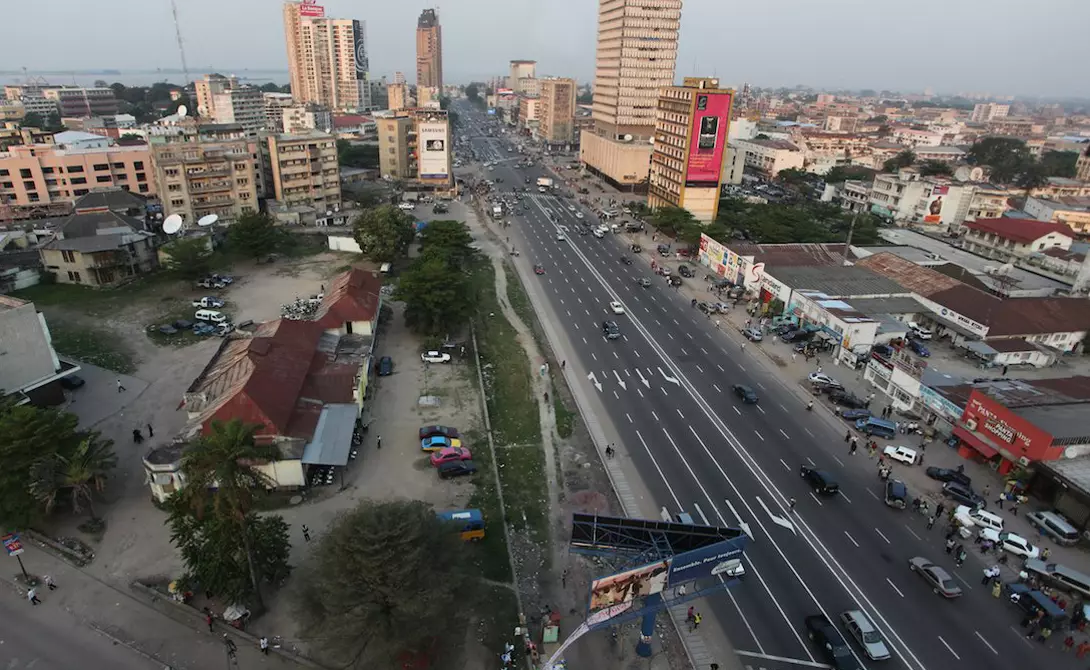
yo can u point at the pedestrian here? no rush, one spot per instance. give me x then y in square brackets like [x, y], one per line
[986, 490]
[987, 576]
[546, 396]
[949, 544]
[609, 451]
[1014, 508]
[852, 446]
[378, 441]
[120, 386]
[151, 432]
[232, 648]
[939, 509]
[848, 436]
[1069, 643]
[689, 615]
[32, 596]
[696, 622]
[1045, 553]
[208, 618]
[961, 556]
[743, 346]
[681, 591]
[1082, 649]
[999, 501]
[137, 436]
[931, 522]
[1046, 633]
[564, 578]
[563, 364]
[306, 533]
[717, 328]
[50, 583]
[264, 644]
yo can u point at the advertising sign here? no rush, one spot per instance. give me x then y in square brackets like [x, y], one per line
[939, 404]
[434, 157]
[708, 139]
[311, 10]
[934, 204]
[13, 544]
[359, 41]
[628, 586]
[714, 560]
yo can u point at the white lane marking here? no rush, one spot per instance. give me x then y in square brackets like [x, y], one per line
[745, 620]
[736, 410]
[720, 367]
[882, 536]
[841, 492]
[741, 368]
[894, 587]
[719, 390]
[816, 499]
[989, 646]
[628, 417]
[656, 464]
[785, 435]
[762, 386]
[840, 462]
[949, 648]
[663, 389]
[784, 659]
[656, 416]
[593, 356]
[758, 435]
[776, 519]
[616, 396]
[811, 462]
[808, 432]
[909, 529]
[620, 382]
[761, 410]
[785, 465]
[704, 350]
[640, 392]
[1021, 637]
[872, 493]
[680, 414]
[672, 380]
[963, 581]
[701, 369]
[741, 524]
[782, 407]
[852, 539]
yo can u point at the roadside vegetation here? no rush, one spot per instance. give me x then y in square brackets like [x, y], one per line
[89, 344]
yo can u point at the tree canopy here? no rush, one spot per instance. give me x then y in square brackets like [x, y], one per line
[435, 287]
[1006, 157]
[189, 257]
[256, 234]
[383, 233]
[357, 155]
[932, 167]
[776, 223]
[1059, 163]
[842, 173]
[388, 577]
[902, 160]
[473, 92]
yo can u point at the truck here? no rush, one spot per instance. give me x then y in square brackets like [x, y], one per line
[497, 211]
[545, 181]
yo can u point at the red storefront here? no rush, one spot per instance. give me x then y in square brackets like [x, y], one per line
[988, 429]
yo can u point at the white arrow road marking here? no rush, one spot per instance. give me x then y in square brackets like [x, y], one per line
[665, 514]
[620, 381]
[642, 378]
[672, 380]
[594, 380]
[741, 524]
[778, 520]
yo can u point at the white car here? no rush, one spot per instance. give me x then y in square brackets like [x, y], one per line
[435, 357]
[902, 454]
[822, 378]
[1015, 544]
[406, 206]
[560, 236]
[578, 215]
[571, 208]
[617, 307]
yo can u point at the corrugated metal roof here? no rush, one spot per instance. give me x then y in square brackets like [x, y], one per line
[836, 281]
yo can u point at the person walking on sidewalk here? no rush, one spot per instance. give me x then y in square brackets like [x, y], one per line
[689, 615]
[695, 623]
[208, 618]
[120, 386]
[264, 644]
[50, 583]
[306, 533]
[32, 596]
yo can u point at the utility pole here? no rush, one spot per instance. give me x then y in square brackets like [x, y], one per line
[848, 241]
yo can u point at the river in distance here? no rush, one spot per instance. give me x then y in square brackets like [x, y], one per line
[141, 78]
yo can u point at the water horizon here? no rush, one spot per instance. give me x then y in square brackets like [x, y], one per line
[140, 77]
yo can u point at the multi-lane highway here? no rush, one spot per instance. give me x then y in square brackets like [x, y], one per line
[664, 387]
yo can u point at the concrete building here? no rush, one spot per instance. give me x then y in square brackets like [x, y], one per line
[302, 119]
[1073, 211]
[988, 111]
[29, 366]
[32, 97]
[244, 105]
[429, 50]
[528, 113]
[1082, 165]
[397, 97]
[430, 149]
[770, 157]
[426, 96]
[690, 141]
[302, 170]
[209, 86]
[521, 69]
[33, 177]
[1008, 240]
[275, 104]
[908, 197]
[379, 94]
[734, 166]
[327, 58]
[204, 170]
[840, 124]
[636, 56]
[393, 147]
[80, 102]
[556, 110]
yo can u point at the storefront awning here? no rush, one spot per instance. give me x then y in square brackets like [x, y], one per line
[976, 441]
[332, 439]
[981, 349]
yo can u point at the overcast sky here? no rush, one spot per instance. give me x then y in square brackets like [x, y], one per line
[996, 46]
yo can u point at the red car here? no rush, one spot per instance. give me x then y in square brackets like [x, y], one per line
[539, 270]
[447, 454]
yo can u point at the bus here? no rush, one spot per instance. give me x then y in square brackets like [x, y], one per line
[469, 520]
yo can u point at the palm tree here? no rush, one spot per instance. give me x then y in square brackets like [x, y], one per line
[79, 475]
[222, 479]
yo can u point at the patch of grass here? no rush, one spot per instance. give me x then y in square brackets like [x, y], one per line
[565, 418]
[497, 614]
[516, 294]
[300, 246]
[91, 345]
[95, 301]
[522, 476]
[490, 554]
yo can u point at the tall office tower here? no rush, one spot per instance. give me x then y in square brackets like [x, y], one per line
[327, 58]
[429, 50]
[556, 110]
[636, 56]
[690, 143]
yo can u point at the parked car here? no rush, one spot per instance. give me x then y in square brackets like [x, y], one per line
[896, 493]
[948, 475]
[963, 494]
[919, 348]
[435, 357]
[456, 469]
[209, 301]
[940, 580]
[385, 366]
[167, 329]
[822, 379]
[753, 334]
[795, 336]
[819, 480]
[437, 442]
[449, 454]
[860, 627]
[444, 431]
[901, 454]
[825, 635]
[663, 249]
[745, 393]
[1010, 542]
[846, 398]
[685, 271]
[72, 382]
[854, 414]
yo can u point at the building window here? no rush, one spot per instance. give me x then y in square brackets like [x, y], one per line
[79, 180]
[101, 166]
[140, 176]
[79, 191]
[33, 196]
[174, 188]
[138, 165]
[171, 172]
[25, 173]
[28, 185]
[75, 169]
[45, 170]
[103, 178]
[74, 277]
[143, 188]
[5, 173]
[68, 256]
[7, 184]
[177, 203]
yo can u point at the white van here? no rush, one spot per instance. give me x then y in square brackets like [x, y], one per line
[978, 517]
[210, 315]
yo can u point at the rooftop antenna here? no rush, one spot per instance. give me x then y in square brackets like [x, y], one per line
[181, 53]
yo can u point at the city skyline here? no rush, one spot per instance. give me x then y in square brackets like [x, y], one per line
[812, 48]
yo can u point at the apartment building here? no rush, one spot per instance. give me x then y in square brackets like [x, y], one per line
[275, 104]
[1071, 210]
[327, 58]
[528, 112]
[690, 144]
[29, 364]
[393, 147]
[32, 97]
[1082, 166]
[989, 111]
[83, 101]
[244, 105]
[379, 95]
[302, 119]
[302, 169]
[1009, 240]
[429, 50]
[210, 169]
[556, 110]
[635, 58]
[397, 97]
[100, 248]
[34, 177]
[908, 197]
[209, 86]
[429, 149]
[770, 157]
[521, 69]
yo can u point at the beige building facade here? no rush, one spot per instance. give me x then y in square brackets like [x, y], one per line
[303, 170]
[327, 58]
[521, 69]
[429, 50]
[207, 88]
[393, 147]
[244, 105]
[556, 110]
[397, 96]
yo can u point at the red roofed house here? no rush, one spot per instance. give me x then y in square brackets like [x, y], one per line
[351, 305]
[1008, 240]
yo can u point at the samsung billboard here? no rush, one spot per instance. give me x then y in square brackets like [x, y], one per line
[708, 138]
[434, 154]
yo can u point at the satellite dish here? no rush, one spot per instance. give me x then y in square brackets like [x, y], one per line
[963, 173]
[172, 224]
[208, 220]
[627, 138]
[182, 110]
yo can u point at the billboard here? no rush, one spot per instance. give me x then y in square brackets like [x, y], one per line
[359, 42]
[309, 9]
[719, 559]
[934, 204]
[708, 138]
[626, 587]
[434, 154]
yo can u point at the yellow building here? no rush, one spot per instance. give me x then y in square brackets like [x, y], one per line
[303, 170]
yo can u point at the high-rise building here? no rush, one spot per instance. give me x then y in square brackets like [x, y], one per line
[379, 97]
[302, 119]
[399, 77]
[397, 97]
[429, 50]
[244, 105]
[556, 110]
[636, 56]
[327, 58]
[690, 142]
[207, 88]
[984, 112]
[393, 147]
[521, 69]
[275, 106]
[302, 170]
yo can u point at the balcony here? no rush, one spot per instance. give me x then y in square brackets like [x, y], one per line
[208, 172]
[107, 259]
[208, 187]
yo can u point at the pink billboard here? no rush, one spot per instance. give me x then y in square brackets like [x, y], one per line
[708, 138]
[310, 9]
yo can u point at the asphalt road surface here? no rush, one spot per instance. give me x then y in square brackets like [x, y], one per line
[665, 387]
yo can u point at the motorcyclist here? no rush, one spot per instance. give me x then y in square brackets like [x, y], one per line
[810, 406]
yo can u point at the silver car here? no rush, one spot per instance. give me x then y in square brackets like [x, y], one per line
[940, 580]
[753, 334]
[864, 632]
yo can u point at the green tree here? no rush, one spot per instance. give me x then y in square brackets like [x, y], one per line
[387, 577]
[671, 220]
[1032, 175]
[189, 257]
[930, 168]
[436, 295]
[793, 177]
[357, 155]
[76, 476]
[1059, 163]
[215, 555]
[447, 240]
[28, 436]
[881, 118]
[222, 481]
[842, 173]
[1006, 157]
[383, 233]
[902, 160]
[32, 120]
[270, 88]
[255, 234]
[585, 97]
